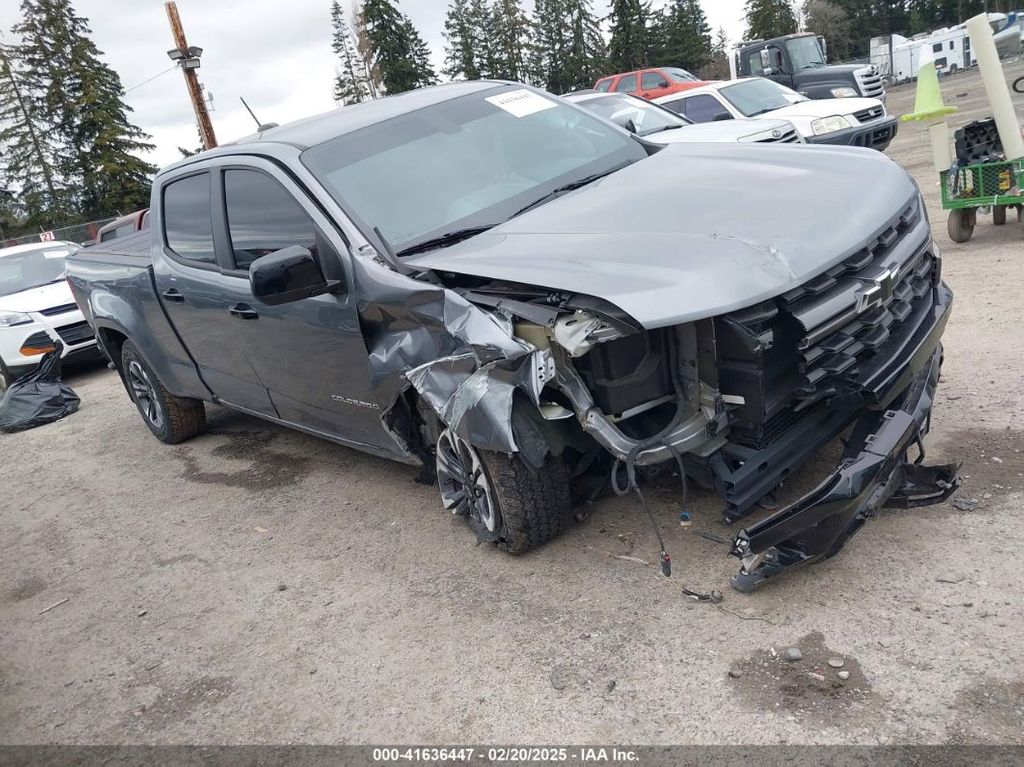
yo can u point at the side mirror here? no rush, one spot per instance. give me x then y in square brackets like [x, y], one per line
[287, 275]
[824, 46]
[630, 126]
[663, 83]
[721, 116]
[766, 61]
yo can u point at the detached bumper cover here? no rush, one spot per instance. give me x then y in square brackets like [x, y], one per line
[874, 473]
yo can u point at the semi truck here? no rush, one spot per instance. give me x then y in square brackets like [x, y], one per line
[800, 62]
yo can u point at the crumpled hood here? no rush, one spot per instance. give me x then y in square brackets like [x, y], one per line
[696, 229]
[38, 299]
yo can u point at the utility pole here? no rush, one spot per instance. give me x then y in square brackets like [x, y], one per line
[187, 58]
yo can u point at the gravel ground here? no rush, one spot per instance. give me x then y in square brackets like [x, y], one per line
[255, 585]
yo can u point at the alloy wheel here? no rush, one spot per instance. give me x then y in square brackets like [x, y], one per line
[145, 394]
[465, 489]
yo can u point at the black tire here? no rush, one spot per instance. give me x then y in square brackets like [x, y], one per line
[960, 225]
[999, 215]
[535, 507]
[171, 419]
[5, 377]
[1018, 85]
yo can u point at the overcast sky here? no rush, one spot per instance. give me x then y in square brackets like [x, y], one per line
[276, 54]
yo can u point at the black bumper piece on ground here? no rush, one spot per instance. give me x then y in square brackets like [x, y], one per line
[875, 472]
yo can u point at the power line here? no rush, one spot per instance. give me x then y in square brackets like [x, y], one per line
[144, 82]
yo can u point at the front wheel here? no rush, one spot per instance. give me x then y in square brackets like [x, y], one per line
[960, 224]
[171, 419]
[5, 377]
[504, 500]
[999, 215]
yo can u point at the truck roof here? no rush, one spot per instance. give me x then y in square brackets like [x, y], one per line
[314, 130]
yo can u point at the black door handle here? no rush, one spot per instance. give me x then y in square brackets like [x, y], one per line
[243, 312]
[174, 296]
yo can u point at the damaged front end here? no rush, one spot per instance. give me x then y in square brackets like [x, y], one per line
[736, 401]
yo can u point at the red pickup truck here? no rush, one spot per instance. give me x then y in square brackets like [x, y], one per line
[650, 83]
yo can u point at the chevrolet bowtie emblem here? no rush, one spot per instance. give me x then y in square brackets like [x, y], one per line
[878, 293]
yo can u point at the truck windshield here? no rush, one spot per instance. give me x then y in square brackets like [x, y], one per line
[34, 268]
[805, 52]
[635, 115]
[470, 162]
[759, 95]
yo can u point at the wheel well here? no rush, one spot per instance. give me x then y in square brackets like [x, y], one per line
[112, 341]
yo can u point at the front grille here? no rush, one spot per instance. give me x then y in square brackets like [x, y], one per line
[870, 83]
[867, 115]
[829, 336]
[77, 333]
[784, 137]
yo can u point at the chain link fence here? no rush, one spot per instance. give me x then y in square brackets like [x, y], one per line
[81, 233]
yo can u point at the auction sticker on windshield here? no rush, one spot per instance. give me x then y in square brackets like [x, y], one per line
[521, 102]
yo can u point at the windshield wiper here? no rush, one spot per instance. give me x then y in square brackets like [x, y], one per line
[559, 191]
[443, 240]
[662, 129]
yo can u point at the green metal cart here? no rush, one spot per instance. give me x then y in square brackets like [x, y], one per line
[968, 188]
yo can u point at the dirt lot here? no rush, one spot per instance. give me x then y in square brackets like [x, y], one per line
[256, 585]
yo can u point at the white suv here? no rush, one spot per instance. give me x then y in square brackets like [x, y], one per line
[37, 309]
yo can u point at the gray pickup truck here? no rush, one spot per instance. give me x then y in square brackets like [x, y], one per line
[533, 306]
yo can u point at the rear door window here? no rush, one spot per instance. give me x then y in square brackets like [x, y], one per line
[188, 227]
[263, 217]
[703, 108]
[626, 84]
[650, 81]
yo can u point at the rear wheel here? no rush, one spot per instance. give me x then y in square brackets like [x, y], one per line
[960, 224]
[503, 499]
[171, 419]
[999, 215]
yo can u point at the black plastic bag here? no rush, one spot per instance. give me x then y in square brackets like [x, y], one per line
[39, 397]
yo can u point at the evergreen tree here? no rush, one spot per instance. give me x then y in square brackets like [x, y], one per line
[829, 19]
[570, 51]
[481, 17]
[769, 18]
[351, 84]
[684, 37]
[587, 56]
[718, 67]
[460, 61]
[630, 38]
[27, 149]
[82, 99]
[398, 57]
[512, 46]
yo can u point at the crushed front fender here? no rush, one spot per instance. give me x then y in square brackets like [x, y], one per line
[875, 472]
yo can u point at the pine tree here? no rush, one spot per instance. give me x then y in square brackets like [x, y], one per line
[684, 36]
[460, 61]
[27, 150]
[398, 57]
[630, 41]
[351, 84]
[481, 19]
[588, 53]
[828, 19]
[769, 18]
[570, 49]
[83, 101]
[512, 46]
